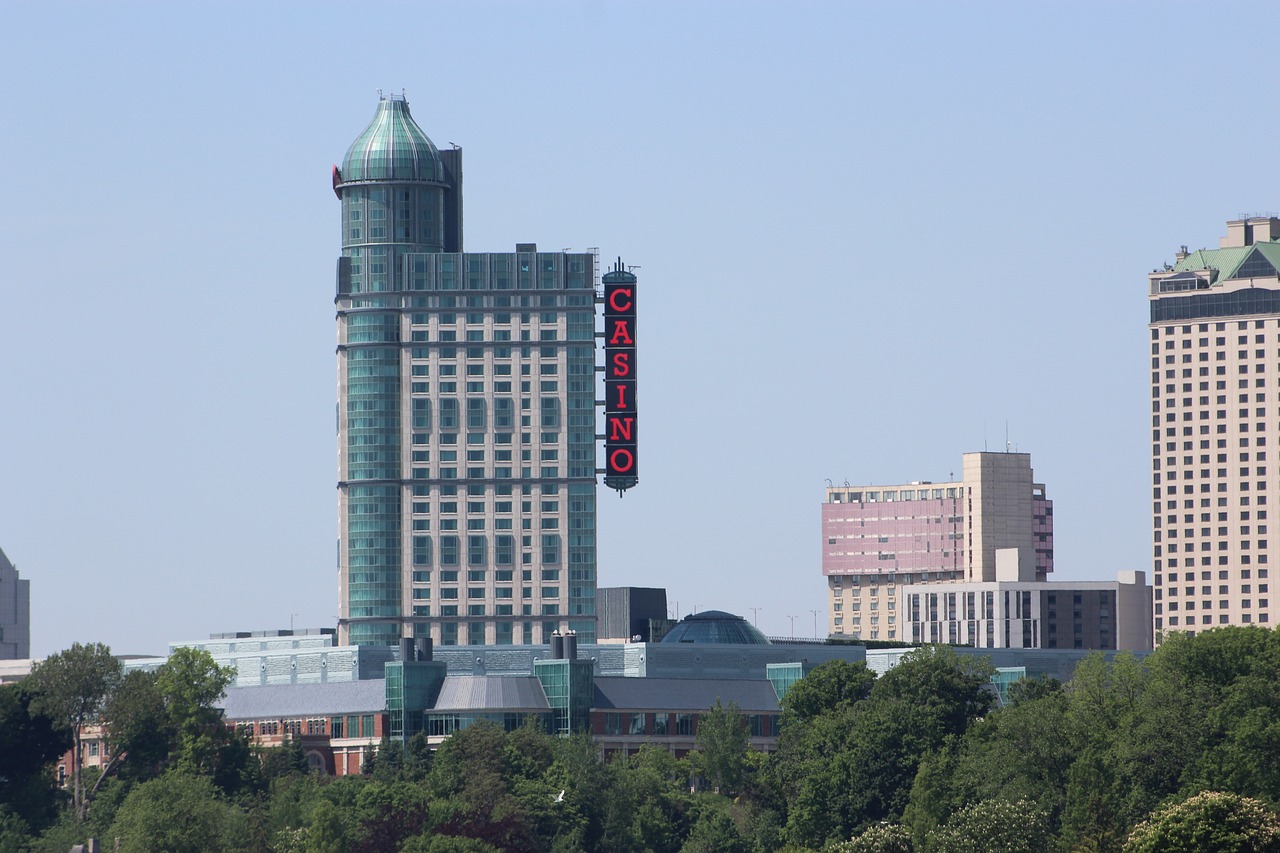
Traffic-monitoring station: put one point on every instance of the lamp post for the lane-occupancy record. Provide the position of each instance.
(793, 625)
(755, 616)
(815, 623)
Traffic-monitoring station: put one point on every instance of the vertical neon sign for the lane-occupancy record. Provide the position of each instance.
(621, 460)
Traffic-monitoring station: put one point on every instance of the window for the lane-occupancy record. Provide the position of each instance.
(476, 547)
(475, 413)
(449, 550)
(449, 412)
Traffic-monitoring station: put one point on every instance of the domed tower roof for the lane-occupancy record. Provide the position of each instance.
(715, 626)
(392, 148)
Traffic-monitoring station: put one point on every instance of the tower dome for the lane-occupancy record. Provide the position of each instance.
(715, 626)
(392, 148)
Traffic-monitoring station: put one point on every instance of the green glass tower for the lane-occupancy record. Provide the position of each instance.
(466, 412)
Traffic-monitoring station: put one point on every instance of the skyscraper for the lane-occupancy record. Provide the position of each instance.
(466, 412)
(1215, 414)
(15, 613)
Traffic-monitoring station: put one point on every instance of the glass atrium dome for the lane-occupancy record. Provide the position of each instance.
(392, 148)
(715, 626)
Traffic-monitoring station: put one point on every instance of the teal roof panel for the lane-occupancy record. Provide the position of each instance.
(392, 148)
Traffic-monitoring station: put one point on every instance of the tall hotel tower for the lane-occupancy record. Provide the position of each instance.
(466, 412)
(1215, 420)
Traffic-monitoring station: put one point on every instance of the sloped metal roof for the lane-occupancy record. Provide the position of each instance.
(491, 693)
(392, 148)
(1228, 261)
(305, 700)
(684, 694)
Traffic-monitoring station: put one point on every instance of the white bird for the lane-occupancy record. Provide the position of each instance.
(560, 797)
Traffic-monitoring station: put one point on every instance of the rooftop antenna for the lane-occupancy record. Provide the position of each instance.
(1007, 445)
(380, 98)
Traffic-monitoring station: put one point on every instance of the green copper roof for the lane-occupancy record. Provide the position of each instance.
(1229, 262)
(392, 148)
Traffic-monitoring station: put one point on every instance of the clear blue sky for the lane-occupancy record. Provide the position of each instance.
(870, 234)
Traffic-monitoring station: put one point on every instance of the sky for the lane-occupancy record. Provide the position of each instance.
(871, 237)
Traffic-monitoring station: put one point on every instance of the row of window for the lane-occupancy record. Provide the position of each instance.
(450, 550)
(895, 495)
(355, 725)
(1204, 327)
(402, 302)
(1207, 619)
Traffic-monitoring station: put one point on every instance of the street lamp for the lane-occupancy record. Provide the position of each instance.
(793, 625)
(755, 616)
(815, 623)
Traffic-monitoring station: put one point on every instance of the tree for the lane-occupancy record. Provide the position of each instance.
(878, 838)
(950, 688)
(722, 743)
(826, 688)
(714, 832)
(190, 683)
(387, 813)
(853, 766)
(137, 732)
(1020, 752)
(446, 844)
(176, 813)
(29, 743)
(1211, 822)
(72, 688)
(328, 830)
(993, 826)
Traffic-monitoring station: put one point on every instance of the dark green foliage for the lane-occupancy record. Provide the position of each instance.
(29, 744)
(721, 757)
(282, 761)
(840, 771)
(386, 814)
(827, 688)
(447, 844)
(176, 813)
(715, 832)
(1030, 689)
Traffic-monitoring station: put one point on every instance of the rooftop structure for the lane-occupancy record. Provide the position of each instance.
(715, 626)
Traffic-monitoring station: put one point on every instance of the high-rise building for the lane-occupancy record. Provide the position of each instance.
(967, 561)
(466, 412)
(1215, 415)
(15, 613)
(943, 531)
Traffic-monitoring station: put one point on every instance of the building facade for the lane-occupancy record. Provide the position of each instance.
(1215, 409)
(945, 531)
(15, 613)
(967, 561)
(883, 537)
(466, 413)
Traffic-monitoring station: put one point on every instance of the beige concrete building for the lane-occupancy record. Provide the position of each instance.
(967, 561)
(1215, 413)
